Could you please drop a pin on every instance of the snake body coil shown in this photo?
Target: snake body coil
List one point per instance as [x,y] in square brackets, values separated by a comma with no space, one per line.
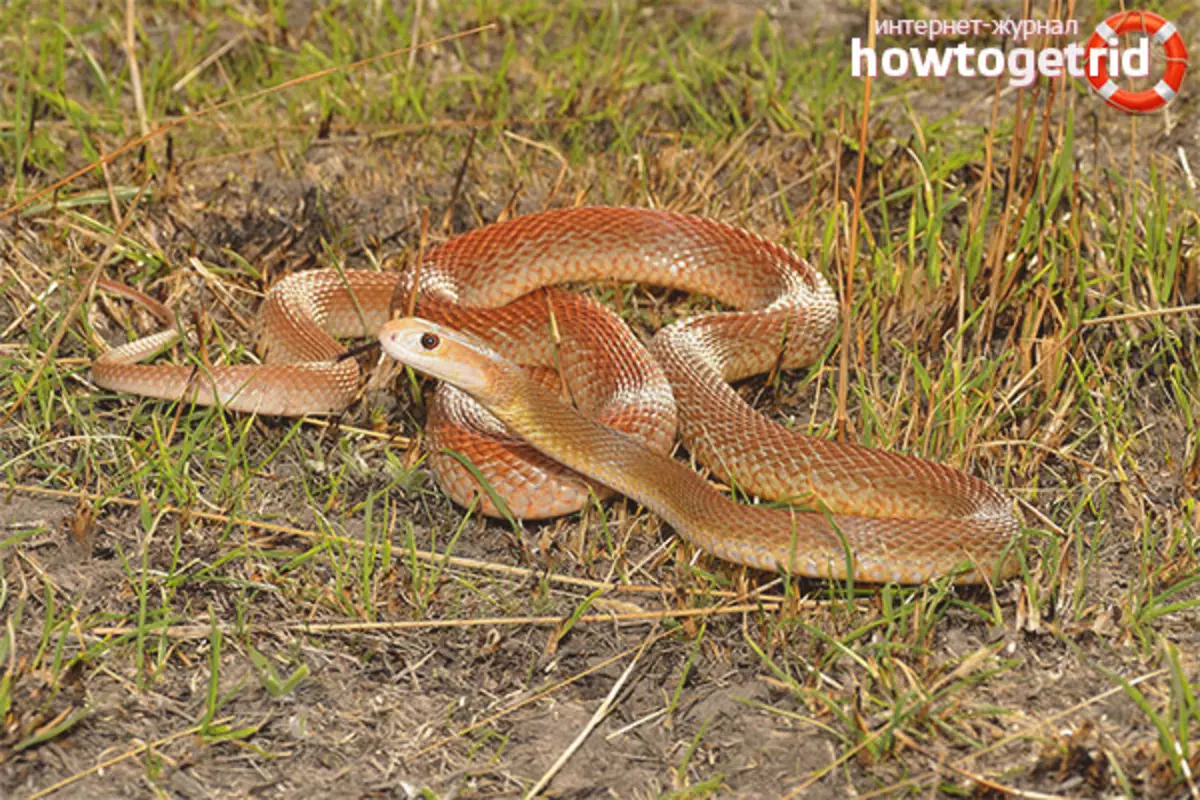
[878,516]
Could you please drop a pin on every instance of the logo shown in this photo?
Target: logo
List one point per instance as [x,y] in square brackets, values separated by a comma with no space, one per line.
[1162,32]
[1103,62]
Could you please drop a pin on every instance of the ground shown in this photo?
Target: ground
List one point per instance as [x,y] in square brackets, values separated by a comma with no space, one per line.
[207,604]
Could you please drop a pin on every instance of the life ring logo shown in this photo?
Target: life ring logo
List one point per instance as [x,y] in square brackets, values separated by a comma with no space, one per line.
[1162,32]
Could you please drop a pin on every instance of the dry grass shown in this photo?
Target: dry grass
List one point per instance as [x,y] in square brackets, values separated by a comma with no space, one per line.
[207,604]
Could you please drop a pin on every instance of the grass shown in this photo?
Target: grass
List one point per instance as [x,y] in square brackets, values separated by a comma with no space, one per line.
[200,601]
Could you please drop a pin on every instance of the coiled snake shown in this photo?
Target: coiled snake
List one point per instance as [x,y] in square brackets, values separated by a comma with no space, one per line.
[491,325]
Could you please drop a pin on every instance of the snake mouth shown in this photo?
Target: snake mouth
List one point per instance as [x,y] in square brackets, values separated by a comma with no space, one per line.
[440,352]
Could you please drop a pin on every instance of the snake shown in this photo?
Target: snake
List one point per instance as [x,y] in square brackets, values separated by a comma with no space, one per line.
[549,402]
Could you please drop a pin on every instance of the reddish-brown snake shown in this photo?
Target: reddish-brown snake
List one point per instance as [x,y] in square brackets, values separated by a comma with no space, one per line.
[506,343]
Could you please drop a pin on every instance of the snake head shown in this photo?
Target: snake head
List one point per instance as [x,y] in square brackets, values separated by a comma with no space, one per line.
[446,354]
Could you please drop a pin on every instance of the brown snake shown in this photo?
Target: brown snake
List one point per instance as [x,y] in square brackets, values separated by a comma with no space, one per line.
[486,297]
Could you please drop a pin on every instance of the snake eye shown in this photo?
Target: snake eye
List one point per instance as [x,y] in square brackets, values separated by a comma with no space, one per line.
[430,341]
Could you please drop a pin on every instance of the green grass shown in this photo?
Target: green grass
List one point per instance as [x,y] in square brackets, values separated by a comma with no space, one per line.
[174,593]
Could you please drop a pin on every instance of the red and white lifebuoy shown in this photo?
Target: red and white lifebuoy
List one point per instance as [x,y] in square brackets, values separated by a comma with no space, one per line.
[1162,32]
